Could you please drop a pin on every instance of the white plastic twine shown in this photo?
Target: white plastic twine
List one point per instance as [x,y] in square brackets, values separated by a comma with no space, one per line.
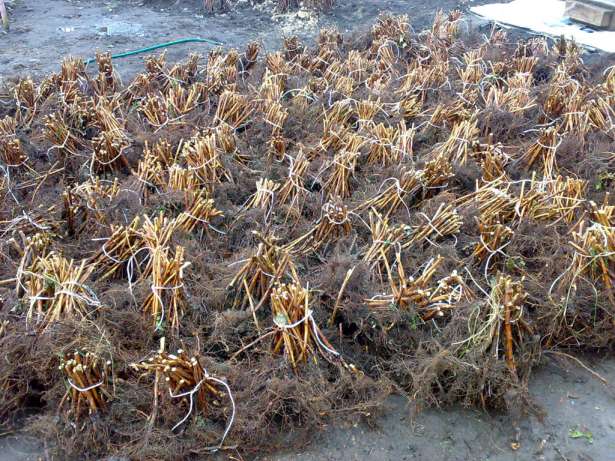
[491,254]
[59,146]
[204,221]
[269,209]
[307,318]
[155,289]
[591,258]
[434,229]
[23,217]
[277,127]
[7,174]
[327,213]
[129,266]
[271,194]
[476,283]
[285,326]
[84,389]
[293,177]
[147,183]
[204,164]
[190,395]
[91,300]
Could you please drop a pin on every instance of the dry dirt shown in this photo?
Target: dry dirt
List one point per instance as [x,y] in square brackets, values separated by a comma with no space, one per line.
[44,31]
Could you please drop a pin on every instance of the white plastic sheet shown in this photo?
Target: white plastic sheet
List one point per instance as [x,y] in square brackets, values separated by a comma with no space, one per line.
[546,17]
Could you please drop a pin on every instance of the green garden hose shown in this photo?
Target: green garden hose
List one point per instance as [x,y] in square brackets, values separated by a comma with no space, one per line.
[160,45]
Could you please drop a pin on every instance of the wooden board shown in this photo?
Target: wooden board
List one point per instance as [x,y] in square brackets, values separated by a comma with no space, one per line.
[597,13]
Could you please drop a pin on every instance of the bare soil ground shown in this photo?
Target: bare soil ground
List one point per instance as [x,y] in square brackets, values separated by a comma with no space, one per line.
[44,31]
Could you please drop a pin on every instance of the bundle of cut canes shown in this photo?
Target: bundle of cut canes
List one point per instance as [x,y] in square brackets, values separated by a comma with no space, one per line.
[295,332]
[187,380]
[88,377]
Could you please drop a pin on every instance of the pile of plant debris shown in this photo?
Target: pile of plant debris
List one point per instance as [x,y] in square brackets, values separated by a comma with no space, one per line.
[228,252]
[215,6]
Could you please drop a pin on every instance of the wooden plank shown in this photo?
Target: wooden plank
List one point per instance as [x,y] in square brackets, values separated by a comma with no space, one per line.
[608,4]
[594,13]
